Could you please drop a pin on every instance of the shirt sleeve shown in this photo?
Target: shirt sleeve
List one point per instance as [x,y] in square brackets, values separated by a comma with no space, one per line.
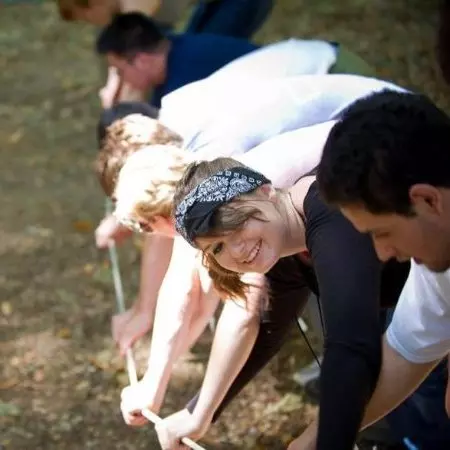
[349,275]
[420,328]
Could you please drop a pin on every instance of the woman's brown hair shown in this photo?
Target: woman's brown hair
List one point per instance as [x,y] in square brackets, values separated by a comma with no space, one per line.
[226,219]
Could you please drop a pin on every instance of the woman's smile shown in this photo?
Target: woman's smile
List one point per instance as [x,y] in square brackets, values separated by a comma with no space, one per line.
[254,252]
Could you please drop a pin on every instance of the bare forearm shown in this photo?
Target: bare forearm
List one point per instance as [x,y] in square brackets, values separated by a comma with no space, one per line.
[176,307]
[398,379]
[169,333]
[156,254]
[200,319]
[234,339]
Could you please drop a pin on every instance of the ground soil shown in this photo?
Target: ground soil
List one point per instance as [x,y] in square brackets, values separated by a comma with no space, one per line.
[60,377]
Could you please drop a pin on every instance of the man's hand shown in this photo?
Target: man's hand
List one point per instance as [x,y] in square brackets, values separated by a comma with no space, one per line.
[110,92]
[110,230]
[133,400]
[130,326]
[177,426]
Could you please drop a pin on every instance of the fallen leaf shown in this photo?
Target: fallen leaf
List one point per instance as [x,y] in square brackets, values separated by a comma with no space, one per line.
[289,403]
[15,361]
[16,136]
[9,409]
[83,226]
[64,333]
[8,384]
[6,308]
[38,376]
[82,386]
[88,269]
[122,379]
[102,360]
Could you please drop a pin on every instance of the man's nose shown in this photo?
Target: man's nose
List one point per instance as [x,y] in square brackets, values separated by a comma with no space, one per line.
[385,252]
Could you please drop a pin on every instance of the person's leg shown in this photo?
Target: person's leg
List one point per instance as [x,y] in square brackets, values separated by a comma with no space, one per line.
[289,295]
[237,18]
[307,376]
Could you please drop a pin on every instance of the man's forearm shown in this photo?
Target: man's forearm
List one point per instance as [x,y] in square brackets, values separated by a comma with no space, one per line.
[398,379]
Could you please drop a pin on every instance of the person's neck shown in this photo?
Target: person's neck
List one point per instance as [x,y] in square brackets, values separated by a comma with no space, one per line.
[294,237]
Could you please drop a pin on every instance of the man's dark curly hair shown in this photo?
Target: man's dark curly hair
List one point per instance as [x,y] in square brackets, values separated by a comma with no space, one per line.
[382,145]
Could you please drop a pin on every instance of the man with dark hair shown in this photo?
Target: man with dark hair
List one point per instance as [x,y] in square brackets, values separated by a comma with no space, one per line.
[386,166]
[146,58]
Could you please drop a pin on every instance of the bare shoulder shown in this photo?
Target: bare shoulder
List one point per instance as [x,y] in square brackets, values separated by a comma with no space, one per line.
[300,190]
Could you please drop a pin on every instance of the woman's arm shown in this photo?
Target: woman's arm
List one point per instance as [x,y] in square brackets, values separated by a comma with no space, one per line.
[234,339]
[349,277]
[176,307]
[235,336]
[138,320]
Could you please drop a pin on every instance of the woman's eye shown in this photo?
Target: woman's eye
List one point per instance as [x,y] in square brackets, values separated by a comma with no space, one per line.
[217,249]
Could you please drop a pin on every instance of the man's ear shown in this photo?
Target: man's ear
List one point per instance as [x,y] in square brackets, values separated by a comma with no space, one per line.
[426,199]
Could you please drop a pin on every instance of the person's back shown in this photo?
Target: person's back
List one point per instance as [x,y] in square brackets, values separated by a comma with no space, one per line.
[281,105]
[193,57]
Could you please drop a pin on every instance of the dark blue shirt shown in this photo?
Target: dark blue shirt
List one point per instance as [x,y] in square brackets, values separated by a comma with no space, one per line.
[196,56]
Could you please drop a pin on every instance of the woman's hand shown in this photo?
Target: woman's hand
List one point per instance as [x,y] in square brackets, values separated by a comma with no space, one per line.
[134,399]
[179,425]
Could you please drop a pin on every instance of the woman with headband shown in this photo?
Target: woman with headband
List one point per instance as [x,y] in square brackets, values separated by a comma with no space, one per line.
[243,224]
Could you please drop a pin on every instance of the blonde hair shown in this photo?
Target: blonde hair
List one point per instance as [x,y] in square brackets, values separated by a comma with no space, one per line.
[125,137]
[147,182]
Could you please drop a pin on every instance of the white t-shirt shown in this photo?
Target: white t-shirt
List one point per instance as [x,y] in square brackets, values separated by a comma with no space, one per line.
[287,157]
[420,328]
[282,59]
[231,121]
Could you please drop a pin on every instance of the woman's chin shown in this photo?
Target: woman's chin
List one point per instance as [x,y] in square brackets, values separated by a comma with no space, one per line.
[266,261]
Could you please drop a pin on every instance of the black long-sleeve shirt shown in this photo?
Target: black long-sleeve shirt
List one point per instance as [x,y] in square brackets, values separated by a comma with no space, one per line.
[351,281]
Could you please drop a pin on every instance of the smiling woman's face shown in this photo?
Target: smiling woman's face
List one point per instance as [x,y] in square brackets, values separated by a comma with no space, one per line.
[256,246]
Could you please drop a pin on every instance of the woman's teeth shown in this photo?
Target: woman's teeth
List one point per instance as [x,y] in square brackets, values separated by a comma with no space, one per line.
[253,253]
